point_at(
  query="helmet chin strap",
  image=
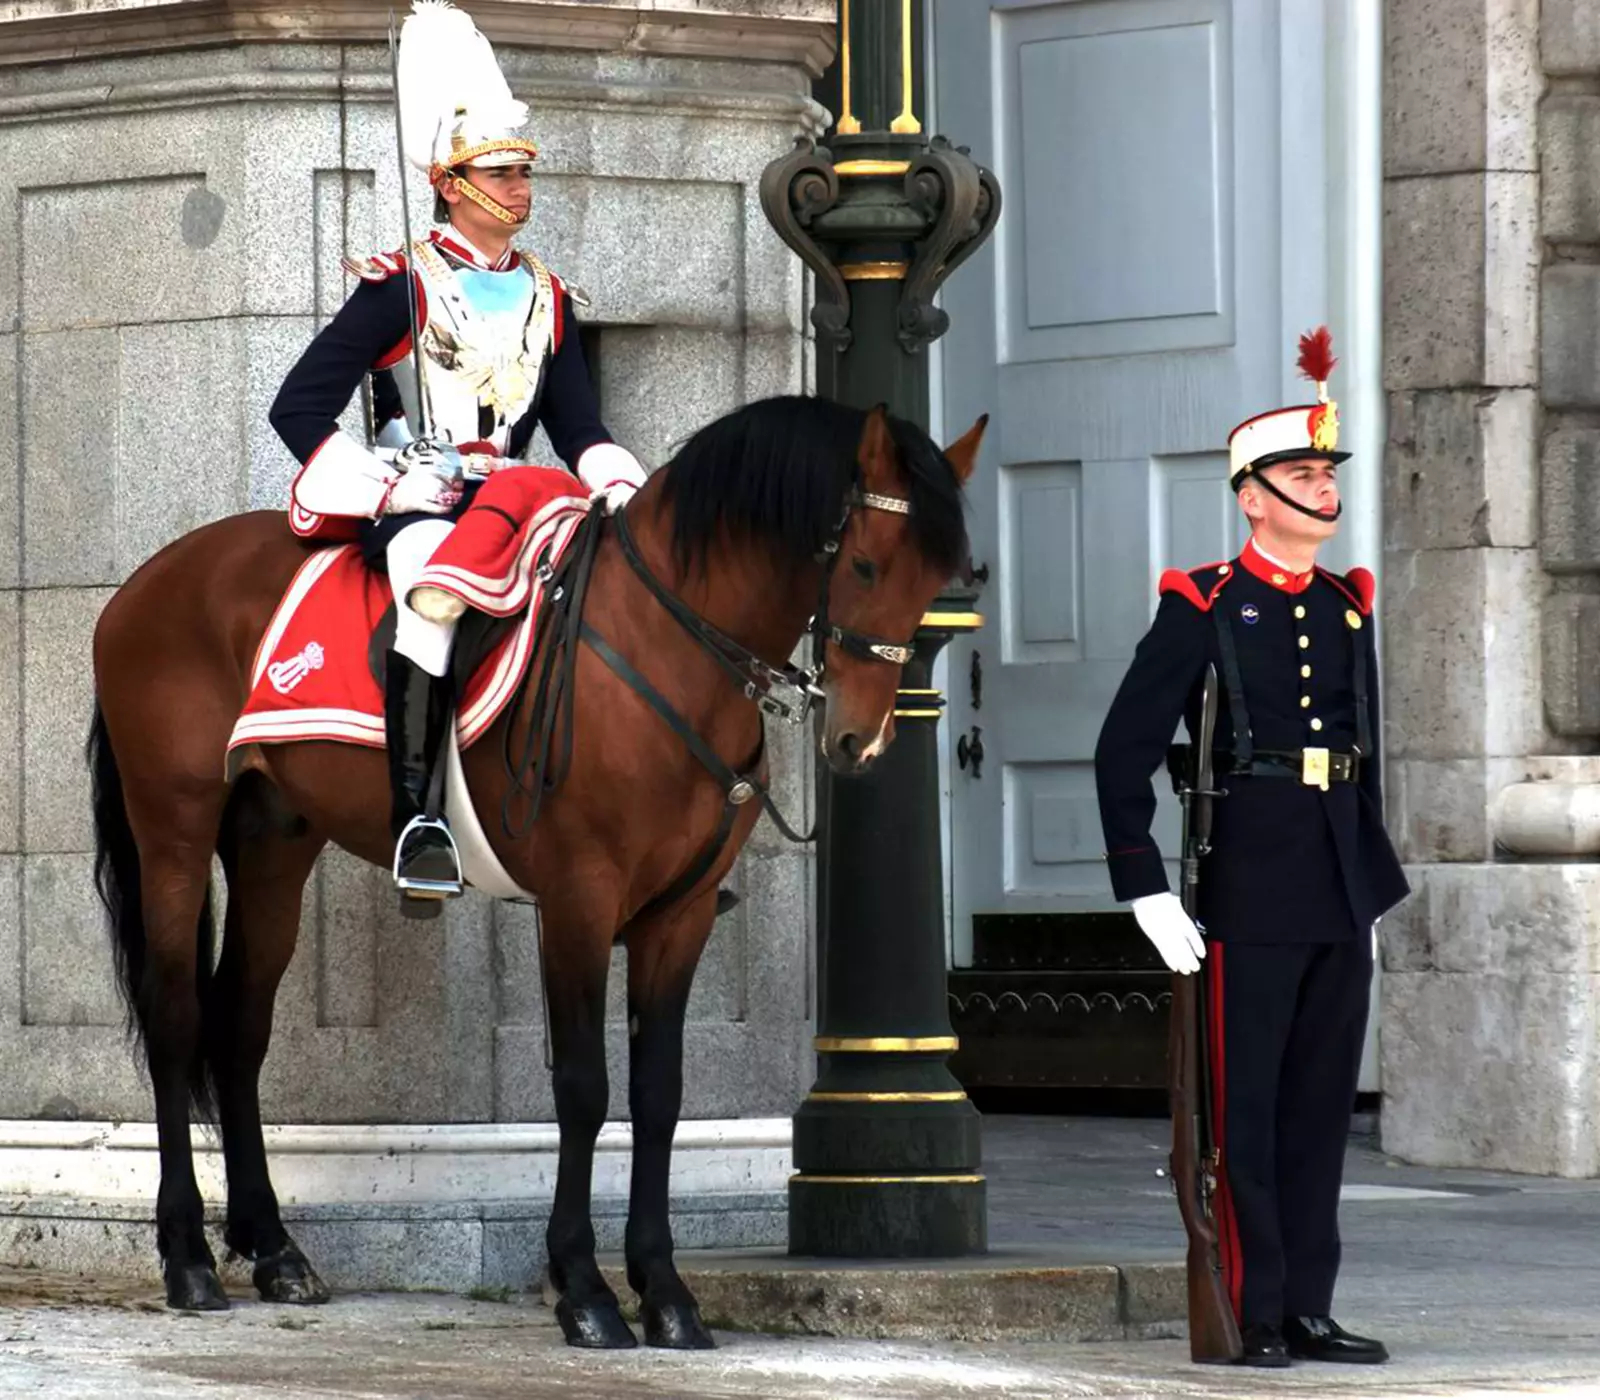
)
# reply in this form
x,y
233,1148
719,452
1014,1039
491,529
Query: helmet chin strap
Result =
x,y
471,191
1326,517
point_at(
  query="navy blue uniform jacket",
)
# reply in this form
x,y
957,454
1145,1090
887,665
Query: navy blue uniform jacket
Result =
x,y
1289,863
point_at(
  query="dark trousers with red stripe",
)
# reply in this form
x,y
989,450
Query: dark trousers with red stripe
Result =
x,y
1288,1021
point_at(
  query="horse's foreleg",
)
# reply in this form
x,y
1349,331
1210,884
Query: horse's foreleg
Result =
x,y
662,957
577,958
267,873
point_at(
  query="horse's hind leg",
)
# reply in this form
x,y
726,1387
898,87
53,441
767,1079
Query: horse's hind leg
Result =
x,y
175,873
577,958
267,862
662,957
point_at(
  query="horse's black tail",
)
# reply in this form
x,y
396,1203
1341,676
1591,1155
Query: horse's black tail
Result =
x,y
116,877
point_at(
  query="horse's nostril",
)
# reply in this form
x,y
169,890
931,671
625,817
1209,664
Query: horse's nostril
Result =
x,y
850,746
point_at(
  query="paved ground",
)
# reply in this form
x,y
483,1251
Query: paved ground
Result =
x,y
1484,1286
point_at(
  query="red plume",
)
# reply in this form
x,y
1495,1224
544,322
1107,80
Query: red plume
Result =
x,y
1316,355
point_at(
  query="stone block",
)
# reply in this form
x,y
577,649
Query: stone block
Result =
x,y
1461,642
1569,501
1502,919
1570,311
71,444
67,975
444,1255
1570,644
1569,126
180,458
1435,74
1569,37
1513,254
1491,1019
57,701
1433,286
468,1059
174,238
10,460
1462,470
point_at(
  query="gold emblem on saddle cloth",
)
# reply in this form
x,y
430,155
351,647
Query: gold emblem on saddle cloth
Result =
x,y
502,376
1314,768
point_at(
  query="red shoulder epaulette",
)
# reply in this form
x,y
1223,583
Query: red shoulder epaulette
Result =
x,y
1358,586
380,267
1199,592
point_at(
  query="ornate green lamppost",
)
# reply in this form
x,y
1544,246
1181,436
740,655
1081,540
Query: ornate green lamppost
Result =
x,y
887,1147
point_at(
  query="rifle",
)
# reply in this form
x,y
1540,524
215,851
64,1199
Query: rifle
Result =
x,y
1196,1161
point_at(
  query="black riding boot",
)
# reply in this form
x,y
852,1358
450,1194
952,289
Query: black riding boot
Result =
x,y
417,709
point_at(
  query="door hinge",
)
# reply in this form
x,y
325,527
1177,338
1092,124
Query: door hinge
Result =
x,y
975,673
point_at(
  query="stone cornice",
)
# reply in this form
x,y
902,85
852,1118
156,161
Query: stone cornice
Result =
x,y
799,32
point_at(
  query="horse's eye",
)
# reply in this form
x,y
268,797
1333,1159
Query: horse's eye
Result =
x,y
866,570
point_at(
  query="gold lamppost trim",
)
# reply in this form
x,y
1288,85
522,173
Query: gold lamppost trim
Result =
x,y
906,123
848,125
874,271
846,168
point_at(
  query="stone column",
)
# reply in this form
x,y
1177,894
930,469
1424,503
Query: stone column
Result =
x,y
1490,1026
181,182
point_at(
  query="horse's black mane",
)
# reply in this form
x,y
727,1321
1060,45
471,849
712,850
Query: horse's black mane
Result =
x,y
777,470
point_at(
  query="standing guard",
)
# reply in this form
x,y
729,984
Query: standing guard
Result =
x,y
1299,868
497,354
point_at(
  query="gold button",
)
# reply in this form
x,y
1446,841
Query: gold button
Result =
x,y
1222,569
1305,702
1316,724
1300,610
1304,643
1305,672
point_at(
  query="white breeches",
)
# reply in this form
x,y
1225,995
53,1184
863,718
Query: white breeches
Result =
x,y
426,643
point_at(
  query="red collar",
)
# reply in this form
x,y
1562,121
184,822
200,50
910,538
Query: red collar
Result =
x,y
1252,559
463,251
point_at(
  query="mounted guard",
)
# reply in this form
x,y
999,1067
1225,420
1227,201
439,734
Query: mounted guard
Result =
x,y
471,345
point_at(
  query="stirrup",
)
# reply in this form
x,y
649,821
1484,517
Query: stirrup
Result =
x,y
416,888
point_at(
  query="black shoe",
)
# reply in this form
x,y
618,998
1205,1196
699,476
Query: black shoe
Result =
x,y
417,709
1263,1346
1322,1339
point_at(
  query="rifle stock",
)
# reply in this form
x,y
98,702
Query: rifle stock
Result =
x,y
1196,1163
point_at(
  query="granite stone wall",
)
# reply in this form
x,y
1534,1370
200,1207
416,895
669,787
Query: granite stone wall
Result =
x,y
1490,1027
178,221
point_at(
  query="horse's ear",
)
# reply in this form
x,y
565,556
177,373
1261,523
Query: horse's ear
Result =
x,y
875,452
963,452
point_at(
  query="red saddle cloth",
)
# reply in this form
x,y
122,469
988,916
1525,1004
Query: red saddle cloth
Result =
x,y
312,677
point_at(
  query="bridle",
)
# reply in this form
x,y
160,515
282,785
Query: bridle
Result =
x,y
761,681
545,760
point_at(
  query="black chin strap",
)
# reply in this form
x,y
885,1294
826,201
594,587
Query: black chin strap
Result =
x,y
1266,484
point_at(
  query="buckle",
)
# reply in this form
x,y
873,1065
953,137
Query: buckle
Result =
x,y
1314,768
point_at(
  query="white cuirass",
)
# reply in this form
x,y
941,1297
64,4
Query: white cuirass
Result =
x,y
487,339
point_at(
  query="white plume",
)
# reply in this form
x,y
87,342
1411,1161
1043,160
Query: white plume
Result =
x,y
446,65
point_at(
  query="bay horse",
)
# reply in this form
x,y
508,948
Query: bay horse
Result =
x,y
786,517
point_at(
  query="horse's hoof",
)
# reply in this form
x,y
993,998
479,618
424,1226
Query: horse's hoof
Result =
x,y
676,1325
595,1326
287,1277
195,1288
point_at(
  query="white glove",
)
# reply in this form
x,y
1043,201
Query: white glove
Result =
x,y
424,493
617,495
611,473
1172,931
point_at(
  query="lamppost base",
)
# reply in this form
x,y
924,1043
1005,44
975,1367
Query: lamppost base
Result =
x,y
904,1217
